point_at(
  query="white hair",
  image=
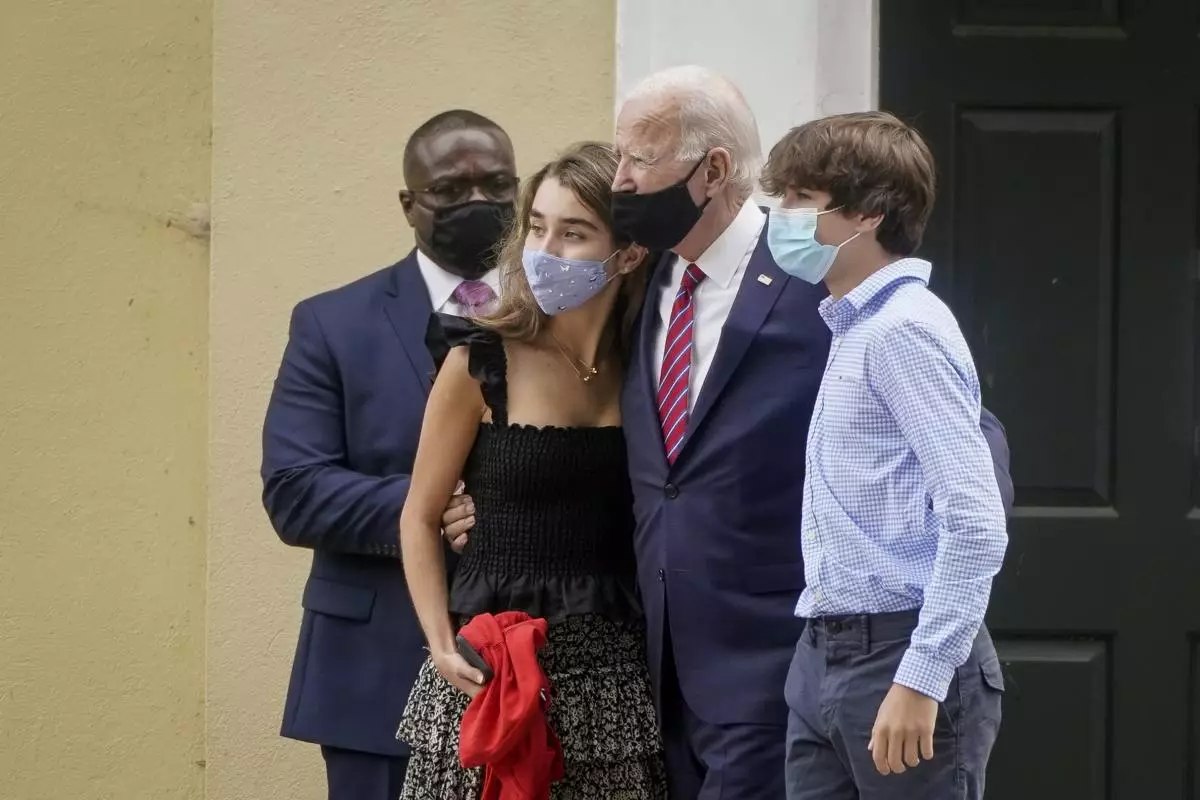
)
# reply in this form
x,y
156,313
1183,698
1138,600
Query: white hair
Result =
x,y
712,113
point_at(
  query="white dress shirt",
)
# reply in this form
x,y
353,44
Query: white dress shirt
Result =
x,y
724,264
441,285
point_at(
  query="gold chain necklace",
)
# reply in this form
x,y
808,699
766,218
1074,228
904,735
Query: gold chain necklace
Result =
x,y
587,372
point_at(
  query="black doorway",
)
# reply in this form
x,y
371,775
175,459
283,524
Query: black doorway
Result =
x,y
1066,240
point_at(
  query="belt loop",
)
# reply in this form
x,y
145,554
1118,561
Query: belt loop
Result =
x,y
865,622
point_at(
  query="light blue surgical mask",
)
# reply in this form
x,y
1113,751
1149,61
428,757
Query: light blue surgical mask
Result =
x,y
560,284
792,239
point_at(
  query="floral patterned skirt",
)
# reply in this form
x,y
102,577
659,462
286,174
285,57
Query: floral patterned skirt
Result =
x,y
602,711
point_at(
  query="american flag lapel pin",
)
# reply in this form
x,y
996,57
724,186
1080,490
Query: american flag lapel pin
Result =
x,y
765,280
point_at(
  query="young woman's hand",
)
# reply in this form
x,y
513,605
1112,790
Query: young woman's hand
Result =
x,y
458,672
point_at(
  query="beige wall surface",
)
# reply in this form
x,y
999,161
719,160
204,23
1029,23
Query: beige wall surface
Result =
x,y
313,101
104,149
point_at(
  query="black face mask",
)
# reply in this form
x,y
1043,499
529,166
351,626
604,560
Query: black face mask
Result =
x,y
658,220
464,237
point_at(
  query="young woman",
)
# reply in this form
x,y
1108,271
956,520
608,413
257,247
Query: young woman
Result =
x,y
526,409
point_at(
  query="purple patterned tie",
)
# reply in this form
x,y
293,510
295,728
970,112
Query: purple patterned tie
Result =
x,y
475,297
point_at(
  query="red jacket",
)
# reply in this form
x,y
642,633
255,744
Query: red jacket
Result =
x,y
504,728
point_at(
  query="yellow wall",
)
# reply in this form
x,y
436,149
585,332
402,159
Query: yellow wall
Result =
x,y
104,149
313,101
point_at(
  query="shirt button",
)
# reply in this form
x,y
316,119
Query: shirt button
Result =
x,y
671,491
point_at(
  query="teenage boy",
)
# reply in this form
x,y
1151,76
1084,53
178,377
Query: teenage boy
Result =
x,y
894,690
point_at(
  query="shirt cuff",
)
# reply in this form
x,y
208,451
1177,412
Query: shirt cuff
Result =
x,y
929,676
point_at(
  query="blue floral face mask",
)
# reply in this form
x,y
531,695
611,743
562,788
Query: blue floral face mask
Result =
x,y
560,284
791,237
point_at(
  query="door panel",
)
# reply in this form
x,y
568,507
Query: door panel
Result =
x,y
1043,317
1078,674
1066,239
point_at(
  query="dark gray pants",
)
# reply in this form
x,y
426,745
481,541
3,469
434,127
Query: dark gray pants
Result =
x,y
841,672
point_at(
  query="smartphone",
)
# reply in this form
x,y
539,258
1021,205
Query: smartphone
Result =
x,y
472,657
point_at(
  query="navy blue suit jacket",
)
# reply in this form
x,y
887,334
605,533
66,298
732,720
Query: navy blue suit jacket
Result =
x,y
718,532
338,445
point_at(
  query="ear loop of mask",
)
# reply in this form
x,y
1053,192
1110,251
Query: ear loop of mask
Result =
x,y
610,278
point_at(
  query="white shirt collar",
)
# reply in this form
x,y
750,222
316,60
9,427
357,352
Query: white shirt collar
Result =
x,y
721,260
441,283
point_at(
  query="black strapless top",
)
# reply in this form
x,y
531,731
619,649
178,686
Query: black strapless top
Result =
x,y
553,532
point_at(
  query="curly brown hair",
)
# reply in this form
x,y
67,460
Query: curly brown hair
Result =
x,y
870,163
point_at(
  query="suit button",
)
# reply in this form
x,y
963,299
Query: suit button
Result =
x,y
662,576
671,491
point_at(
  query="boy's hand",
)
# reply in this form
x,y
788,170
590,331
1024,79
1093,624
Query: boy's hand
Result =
x,y
903,732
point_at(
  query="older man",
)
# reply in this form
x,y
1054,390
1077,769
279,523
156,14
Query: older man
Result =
x,y
716,408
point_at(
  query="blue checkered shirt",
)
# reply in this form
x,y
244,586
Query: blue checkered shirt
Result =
x,y
901,507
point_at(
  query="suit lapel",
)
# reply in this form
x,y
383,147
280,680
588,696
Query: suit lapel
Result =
x,y
406,304
760,288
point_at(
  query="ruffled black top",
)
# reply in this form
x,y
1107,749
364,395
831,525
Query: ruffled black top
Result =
x,y
553,532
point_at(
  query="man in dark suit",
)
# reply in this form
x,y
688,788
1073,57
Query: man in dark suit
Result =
x,y
339,440
716,410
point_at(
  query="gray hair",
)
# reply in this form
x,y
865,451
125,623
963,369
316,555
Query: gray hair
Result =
x,y
712,113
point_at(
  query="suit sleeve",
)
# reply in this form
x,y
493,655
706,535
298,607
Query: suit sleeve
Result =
x,y
311,496
997,441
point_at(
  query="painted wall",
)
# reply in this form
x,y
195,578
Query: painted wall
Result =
x,y
313,102
104,149
795,60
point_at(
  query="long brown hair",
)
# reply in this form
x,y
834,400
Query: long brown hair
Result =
x,y
587,169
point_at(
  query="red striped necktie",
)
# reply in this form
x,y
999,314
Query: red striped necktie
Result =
x,y
676,370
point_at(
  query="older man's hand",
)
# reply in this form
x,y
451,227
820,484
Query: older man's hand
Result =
x,y
458,519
